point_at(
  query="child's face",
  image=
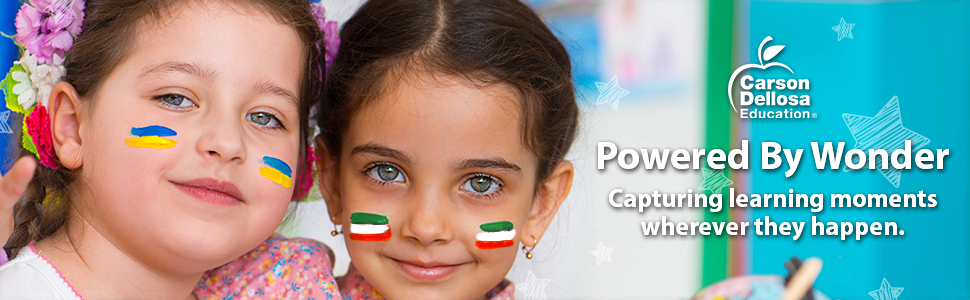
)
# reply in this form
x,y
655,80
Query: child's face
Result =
x,y
438,157
225,79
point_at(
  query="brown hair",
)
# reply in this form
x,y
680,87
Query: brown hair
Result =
x,y
108,33
486,41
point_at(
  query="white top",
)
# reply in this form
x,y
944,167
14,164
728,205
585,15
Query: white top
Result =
x,y
31,276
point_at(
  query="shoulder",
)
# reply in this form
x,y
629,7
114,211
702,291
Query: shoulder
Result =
x,y
30,276
505,290
299,247
291,268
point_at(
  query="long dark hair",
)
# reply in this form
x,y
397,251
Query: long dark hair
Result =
x,y
108,34
486,41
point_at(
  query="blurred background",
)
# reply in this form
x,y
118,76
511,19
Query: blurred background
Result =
x,y
675,57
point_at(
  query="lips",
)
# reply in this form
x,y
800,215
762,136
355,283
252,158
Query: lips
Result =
x,y
426,271
211,190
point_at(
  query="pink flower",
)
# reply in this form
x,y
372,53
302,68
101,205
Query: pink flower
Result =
x,y
330,29
77,10
306,178
47,29
331,41
28,22
38,127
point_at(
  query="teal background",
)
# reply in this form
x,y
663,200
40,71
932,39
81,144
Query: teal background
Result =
x,y
917,51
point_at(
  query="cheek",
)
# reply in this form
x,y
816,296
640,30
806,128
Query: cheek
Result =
x,y
268,192
108,159
487,233
273,189
496,262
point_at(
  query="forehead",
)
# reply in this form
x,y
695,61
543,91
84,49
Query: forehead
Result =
x,y
443,114
234,40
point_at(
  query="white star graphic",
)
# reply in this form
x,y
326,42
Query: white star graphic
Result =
x,y
714,180
884,131
844,29
886,291
533,288
610,93
602,254
4,124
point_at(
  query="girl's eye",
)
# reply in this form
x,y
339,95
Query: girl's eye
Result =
x,y
482,184
176,100
264,119
386,173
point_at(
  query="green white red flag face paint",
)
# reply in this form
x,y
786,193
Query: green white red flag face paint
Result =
x,y
495,235
368,227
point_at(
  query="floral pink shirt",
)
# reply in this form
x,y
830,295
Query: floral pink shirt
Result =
x,y
354,287
279,268
282,268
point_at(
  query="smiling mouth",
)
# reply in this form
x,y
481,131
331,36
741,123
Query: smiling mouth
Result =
x,y
211,191
426,272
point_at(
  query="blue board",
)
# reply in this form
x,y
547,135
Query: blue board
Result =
x,y
917,52
8,54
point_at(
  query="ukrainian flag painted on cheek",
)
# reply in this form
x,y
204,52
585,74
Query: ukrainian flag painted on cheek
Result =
x,y
276,170
151,137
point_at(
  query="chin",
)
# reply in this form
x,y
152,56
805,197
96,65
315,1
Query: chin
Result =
x,y
430,294
447,290
198,248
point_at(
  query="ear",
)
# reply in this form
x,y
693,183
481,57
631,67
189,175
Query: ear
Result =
x,y
550,194
66,117
329,181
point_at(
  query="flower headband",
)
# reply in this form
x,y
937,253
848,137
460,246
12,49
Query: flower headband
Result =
x,y
46,29
330,45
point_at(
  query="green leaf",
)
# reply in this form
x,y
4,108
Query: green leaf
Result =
x,y
7,85
28,142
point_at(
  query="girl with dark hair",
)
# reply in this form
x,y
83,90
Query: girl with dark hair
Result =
x,y
444,129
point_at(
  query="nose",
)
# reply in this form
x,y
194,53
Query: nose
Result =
x,y
427,222
222,138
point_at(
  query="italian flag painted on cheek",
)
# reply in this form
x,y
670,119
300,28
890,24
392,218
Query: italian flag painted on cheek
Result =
x,y
496,235
368,227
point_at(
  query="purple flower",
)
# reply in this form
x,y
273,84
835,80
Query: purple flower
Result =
x,y
330,30
331,41
43,4
48,28
77,10
319,13
28,24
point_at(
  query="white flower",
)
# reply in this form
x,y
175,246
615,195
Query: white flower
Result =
x,y
43,77
24,89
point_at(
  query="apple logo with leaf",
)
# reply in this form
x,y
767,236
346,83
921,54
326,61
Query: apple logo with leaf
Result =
x,y
768,55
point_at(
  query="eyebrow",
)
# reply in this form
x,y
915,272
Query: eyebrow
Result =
x,y
180,67
489,163
376,149
209,75
270,88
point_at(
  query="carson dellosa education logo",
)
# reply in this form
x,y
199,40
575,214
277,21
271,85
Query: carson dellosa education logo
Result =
x,y
771,98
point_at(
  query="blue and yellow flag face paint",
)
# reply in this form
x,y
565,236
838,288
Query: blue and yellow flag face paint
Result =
x,y
151,137
276,170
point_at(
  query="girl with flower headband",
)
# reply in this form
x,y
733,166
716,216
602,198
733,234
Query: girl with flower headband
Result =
x,y
165,131
444,129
